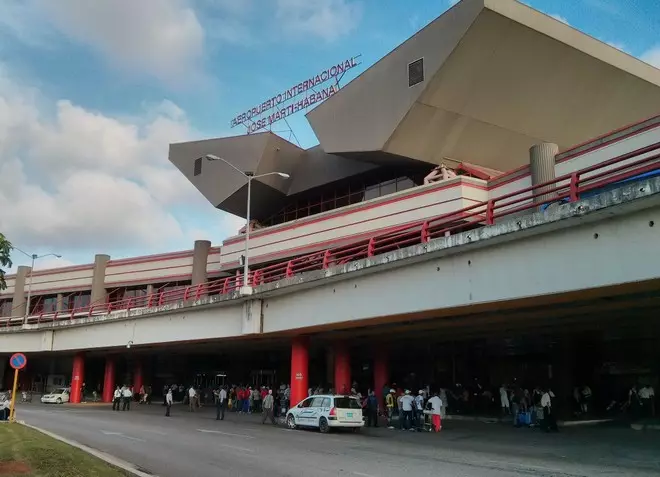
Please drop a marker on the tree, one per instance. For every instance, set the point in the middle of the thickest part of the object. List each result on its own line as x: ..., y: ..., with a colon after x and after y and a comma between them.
x: 5, y: 261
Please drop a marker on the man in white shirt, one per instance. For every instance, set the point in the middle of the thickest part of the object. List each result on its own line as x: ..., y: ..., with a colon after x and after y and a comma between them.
x: 168, y: 401
x: 646, y: 397
x: 419, y: 408
x: 116, y: 399
x: 191, y: 398
x: 436, y: 408
x: 407, y: 403
x: 221, y: 404
x: 549, y: 423
x: 127, y: 395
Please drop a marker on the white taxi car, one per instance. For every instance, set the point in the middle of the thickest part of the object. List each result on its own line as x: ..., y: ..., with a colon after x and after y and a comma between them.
x: 326, y: 412
x: 57, y: 396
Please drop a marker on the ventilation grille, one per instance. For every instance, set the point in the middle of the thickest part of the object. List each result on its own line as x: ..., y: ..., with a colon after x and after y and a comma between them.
x: 198, y: 166
x: 416, y: 72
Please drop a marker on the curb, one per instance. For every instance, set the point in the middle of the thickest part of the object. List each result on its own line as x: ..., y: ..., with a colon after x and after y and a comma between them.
x: 645, y: 427
x: 107, y: 458
x: 496, y: 420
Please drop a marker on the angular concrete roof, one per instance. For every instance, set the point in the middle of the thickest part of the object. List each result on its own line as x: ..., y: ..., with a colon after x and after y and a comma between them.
x: 260, y: 153
x: 499, y: 78
x: 227, y: 189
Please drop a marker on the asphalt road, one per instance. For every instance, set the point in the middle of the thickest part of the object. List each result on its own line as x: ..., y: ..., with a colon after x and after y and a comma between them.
x: 196, y: 445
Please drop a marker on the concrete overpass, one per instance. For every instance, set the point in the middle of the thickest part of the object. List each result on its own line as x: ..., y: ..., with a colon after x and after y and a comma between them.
x: 601, y: 246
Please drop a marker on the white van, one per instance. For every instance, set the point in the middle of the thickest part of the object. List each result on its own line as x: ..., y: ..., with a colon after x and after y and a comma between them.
x: 325, y: 412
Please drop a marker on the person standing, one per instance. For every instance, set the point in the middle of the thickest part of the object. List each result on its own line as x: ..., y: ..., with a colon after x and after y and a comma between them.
x: 549, y: 423
x: 389, y: 403
x: 436, y: 409
x: 168, y: 402
x: 407, y: 403
x: 268, y: 408
x: 191, y: 398
x: 504, y: 400
x: 372, y: 409
x: 221, y: 404
x: 116, y: 399
x: 127, y: 395
x: 419, y: 409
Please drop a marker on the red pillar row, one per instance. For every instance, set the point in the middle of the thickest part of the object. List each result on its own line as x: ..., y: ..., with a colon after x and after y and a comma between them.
x: 109, y: 380
x: 342, y: 370
x: 299, y: 369
x: 137, y: 378
x: 77, y: 378
x: 381, y: 374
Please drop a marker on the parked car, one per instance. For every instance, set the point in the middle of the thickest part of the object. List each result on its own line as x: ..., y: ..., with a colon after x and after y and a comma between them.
x: 326, y: 412
x: 57, y: 396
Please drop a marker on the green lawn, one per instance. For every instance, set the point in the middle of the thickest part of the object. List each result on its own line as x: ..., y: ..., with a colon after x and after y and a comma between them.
x: 25, y: 452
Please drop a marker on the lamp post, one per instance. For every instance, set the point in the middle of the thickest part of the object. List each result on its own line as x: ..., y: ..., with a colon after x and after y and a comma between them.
x: 249, y: 176
x: 34, y: 257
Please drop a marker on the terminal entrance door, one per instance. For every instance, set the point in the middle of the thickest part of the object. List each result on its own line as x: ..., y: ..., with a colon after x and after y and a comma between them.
x: 263, y: 377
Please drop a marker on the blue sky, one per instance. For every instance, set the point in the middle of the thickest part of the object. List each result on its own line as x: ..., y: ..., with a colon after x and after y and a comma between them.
x: 91, y: 94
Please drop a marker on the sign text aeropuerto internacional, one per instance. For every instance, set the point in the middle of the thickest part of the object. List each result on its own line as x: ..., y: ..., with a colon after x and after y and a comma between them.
x: 256, y: 116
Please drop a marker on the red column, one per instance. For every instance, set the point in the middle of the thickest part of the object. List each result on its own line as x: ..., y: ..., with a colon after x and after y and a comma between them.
x: 109, y: 380
x: 137, y: 378
x: 299, y: 369
x: 77, y: 378
x: 381, y: 374
x: 342, y: 370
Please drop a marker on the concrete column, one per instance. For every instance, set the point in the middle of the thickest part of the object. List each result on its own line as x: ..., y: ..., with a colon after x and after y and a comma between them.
x: 108, y: 391
x: 77, y: 378
x: 59, y: 306
x: 138, y: 381
x: 19, y: 300
x: 200, y: 260
x: 299, y: 369
x: 150, y: 289
x: 98, y: 279
x: 381, y: 374
x: 542, y: 167
x: 342, y: 369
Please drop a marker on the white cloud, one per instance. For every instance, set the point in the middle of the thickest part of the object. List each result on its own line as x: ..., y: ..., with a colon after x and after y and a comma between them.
x: 327, y: 19
x: 78, y: 180
x: 162, y: 38
x: 617, y: 44
x: 562, y: 19
x: 652, y: 56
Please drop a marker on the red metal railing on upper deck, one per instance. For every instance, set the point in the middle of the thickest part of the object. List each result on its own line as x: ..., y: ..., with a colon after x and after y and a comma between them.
x: 567, y: 188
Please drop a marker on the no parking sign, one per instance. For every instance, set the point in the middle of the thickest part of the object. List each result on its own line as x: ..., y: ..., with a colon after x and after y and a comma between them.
x: 18, y: 362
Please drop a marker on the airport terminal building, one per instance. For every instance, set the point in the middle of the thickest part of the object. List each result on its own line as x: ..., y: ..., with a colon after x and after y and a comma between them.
x: 472, y: 212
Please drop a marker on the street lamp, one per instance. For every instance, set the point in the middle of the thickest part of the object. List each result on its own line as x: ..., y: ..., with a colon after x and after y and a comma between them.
x: 249, y: 176
x: 34, y: 257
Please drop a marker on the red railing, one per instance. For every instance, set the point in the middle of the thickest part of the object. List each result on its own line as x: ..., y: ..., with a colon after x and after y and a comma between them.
x: 565, y: 188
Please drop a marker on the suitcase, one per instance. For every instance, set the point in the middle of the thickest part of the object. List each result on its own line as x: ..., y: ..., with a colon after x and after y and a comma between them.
x: 524, y: 418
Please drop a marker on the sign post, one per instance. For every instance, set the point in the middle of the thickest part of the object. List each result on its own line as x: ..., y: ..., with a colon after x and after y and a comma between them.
x: 18, y: 362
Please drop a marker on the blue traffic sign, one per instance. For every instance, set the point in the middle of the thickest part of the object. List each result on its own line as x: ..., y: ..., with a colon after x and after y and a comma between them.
x: 18, y: 361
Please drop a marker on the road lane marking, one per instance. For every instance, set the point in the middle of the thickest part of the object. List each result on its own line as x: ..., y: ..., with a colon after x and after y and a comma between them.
x: 122, y: 435
x: 160, y: 433
x: 208, y: 431
x: 242, y: 449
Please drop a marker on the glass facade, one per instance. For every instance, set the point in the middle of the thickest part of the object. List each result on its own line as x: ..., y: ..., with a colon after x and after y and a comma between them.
x: 353, y: 190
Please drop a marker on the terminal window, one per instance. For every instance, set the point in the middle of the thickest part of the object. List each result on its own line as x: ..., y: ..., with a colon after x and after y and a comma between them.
x: 416, y: 72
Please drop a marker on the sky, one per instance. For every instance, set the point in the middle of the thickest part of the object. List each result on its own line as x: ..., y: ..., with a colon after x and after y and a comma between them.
x: 93, y: 93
